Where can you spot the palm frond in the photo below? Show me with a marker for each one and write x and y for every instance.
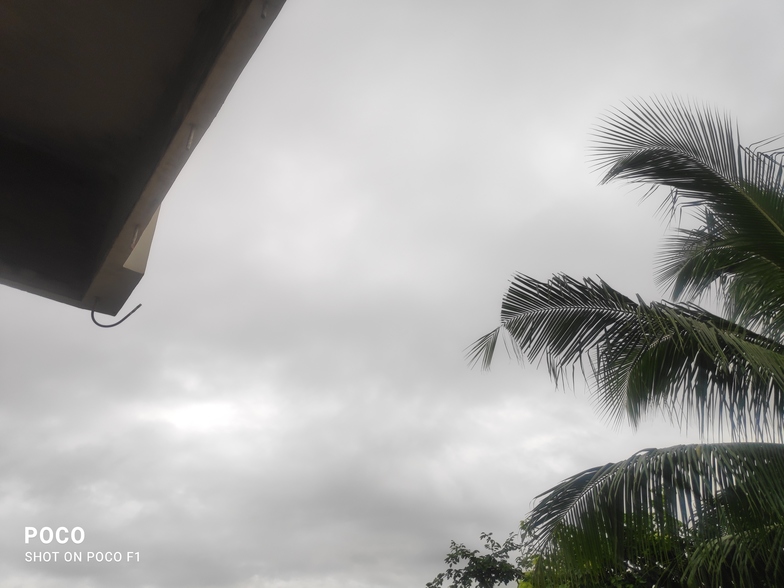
(747, 558)
(640, 357)
(664, 499)
(750, 287)
(483, 349)
(697, 154)
(693, 260)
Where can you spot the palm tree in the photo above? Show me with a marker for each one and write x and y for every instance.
(709, 514)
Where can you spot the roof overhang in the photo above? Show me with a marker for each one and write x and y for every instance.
(102, 104)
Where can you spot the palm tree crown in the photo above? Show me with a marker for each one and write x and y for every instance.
(710, 514)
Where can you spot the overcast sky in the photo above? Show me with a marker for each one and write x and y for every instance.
(291, 406)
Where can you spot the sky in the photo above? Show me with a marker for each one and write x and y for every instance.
(291, 407)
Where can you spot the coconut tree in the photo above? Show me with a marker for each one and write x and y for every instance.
(709, 514)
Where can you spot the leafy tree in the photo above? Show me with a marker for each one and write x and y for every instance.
(488, 570)
(691, 515)
(494, 568)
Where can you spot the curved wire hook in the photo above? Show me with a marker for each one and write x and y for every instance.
(92, 316)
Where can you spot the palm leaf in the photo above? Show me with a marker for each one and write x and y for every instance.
(697, 154)
(748, 558)
(640, 357)
(751, 287)
(659, 499)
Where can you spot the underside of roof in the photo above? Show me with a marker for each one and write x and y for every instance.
(101, 105)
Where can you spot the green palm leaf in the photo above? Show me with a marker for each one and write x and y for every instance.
(751, 287)
(748, 558)
(697, 154)
(640, 357)
(662, 502)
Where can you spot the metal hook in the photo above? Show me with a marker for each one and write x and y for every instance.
(92, 315)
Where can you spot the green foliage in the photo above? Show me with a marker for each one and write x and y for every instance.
(532, 569)
(691, 515)
(485, 571)
(699, 515)
(644, 356)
